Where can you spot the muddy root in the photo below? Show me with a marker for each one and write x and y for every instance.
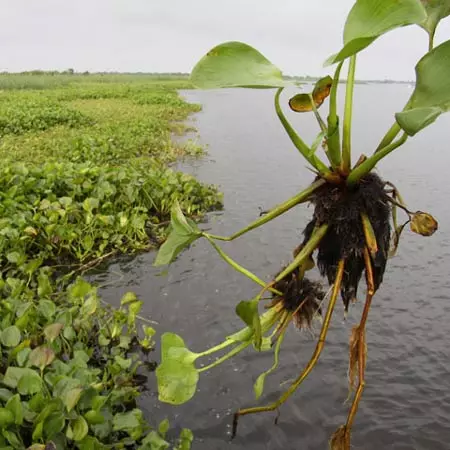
(341, 208)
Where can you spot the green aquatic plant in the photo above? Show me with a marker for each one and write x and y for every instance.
(353, 207)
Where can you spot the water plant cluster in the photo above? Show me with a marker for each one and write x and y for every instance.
(73, 193)
(355, 226)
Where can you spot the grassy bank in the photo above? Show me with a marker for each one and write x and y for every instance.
(84, 177)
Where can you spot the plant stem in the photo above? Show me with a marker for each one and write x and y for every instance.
(275, 212)
(310, 246)
(431, 39)
(238, 267)
(389, 136)
(333, 141)
(228, 355)
(296, 139)
(346, 138)
(363, 169)
(215, 349)
(319, 119)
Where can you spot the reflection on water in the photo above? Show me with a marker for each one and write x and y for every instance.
(406, 404)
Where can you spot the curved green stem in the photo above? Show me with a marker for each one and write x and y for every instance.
(310, 246)
(223, 358)
(319, 119)
(297, 140)
(431, 39)
(238, 267)
(275, 212)
(364, 168)
(333, 141)
(389, 136)
(215, 349)
(346, 138)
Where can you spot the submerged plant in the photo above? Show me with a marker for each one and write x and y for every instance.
(350, 230)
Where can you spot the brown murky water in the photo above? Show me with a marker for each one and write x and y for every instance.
(406, 404)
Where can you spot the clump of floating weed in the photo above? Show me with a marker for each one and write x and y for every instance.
(341, 207)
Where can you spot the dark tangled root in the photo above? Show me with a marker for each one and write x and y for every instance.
(300, 296)
(341, 208)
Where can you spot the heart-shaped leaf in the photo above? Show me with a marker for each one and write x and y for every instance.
(431, 96)
(177, 376)
(302, 102)
(369, 19)
(235, 64)
(11, 336)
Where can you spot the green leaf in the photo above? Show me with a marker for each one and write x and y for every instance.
(94, 417)
(235, 64)
(302, 102)
(436, 11)
(129, 297)
(259, 384)
(6, 417)
(177, 376)
(174, 245)
(163, 427)
(369, 19)
(52, 331)
(127, 421)
(13, 379)
(180, 223)
(38, 430)
(13, 257)
(5, 394)
(13, 439)
(248, 312)
(47, 308)
(54, 424)
(431, 96)
(11, 336)
(183, 233)
(185, 440)
(90, 204)
(29, 383)
(70, 397)
(15, 406)
(41, 357)
(153, 441)
(80, 429)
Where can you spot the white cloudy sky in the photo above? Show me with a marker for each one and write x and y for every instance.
(171, 35)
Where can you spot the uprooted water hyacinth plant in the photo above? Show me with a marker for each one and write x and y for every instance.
(355, 226)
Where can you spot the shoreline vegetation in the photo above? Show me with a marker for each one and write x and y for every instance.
(85, 176)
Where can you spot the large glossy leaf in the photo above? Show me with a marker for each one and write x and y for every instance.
(436, 11)
(235, 64)
(431, 96)
(177, 376)
(369, 19)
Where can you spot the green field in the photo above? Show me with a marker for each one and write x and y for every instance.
(85, 176)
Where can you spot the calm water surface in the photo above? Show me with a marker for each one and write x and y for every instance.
(406, 404)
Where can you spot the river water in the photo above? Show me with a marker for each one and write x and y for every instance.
(406, 403)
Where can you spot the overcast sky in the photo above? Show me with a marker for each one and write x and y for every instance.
(171, 35)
